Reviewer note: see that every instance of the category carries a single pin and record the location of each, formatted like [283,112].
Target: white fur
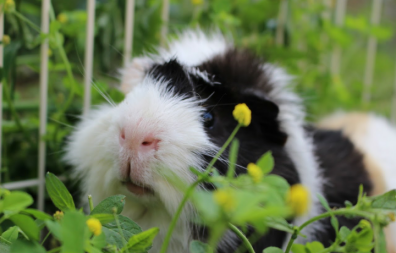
[299,146]
[380,143]
[192,48]
[94,152]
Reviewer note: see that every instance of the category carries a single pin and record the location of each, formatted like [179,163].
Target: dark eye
[208,119]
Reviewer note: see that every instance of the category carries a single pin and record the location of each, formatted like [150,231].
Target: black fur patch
[179,81]
[343,170]
[234,78]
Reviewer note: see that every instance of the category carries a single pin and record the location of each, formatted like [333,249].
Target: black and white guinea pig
[178,112]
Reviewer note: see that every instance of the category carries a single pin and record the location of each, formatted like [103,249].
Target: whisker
[102,93]
[61,123]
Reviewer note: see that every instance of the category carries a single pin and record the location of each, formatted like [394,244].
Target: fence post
[89,49]
[339,21]
[1,85]
[43,102]
[371,52]
[129,18]
[281,23]
[394,102]
[165,21]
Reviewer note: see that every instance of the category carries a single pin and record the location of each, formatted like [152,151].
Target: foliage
[310,36]
[237,202]
[103,230]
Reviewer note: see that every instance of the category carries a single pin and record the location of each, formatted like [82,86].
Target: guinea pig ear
[134,73]
[265,114]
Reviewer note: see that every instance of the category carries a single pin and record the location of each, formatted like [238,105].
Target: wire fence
[339,15]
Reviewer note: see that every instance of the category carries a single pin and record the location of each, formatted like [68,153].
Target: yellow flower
[242,114]
[94,226]
[9,5]
[49,52]
[6,39]
[224,199]
[255,172]
[62,18]
[391,216]
[197,2]
[58,215]
[299,199]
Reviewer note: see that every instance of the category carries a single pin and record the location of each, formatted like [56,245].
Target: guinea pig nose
[149,143]
[122,136]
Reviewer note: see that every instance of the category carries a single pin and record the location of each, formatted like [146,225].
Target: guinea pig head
[160,132]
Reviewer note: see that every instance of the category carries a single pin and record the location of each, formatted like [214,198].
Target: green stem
[54,250]
[27,21]
[223,148]
[175,218]
[342,211]
[15,114]
[242,236]
[45,238]
[91,206]
[65,60]
[191,188]
[292,238]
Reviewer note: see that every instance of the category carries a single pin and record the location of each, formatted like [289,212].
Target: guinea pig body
[177,113]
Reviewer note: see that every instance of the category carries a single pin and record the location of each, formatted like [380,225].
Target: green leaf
[381,241]
[344,233]
[273,250]
[266,162]
[37,214]
[199,247]
[314,246]
[140,242]
[99,241]
[232,158]
[324,203]
[16,201]
[104,218]
[128,227]
[54,227]
[385,201]
[114,238]
[4,245]
[27,247]
[11,234]
[73,232]
[107,205]
[298,248]
[27,225]
[279,224]
[58,193]
[334,223]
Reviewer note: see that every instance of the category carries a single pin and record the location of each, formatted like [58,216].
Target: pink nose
[148,143]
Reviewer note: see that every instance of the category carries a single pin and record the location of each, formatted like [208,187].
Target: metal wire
[88,59]
[371,52]
[43,103]
[129,18]
[1,85]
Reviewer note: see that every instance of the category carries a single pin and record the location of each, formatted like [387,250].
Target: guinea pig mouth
[138,189]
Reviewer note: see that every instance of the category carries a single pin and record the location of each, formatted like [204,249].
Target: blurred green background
[309,40]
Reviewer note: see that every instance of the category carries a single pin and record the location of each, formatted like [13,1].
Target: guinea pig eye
[208,119]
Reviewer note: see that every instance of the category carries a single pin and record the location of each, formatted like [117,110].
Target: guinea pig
[177,113]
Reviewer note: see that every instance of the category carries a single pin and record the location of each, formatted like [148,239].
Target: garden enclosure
[317,41]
